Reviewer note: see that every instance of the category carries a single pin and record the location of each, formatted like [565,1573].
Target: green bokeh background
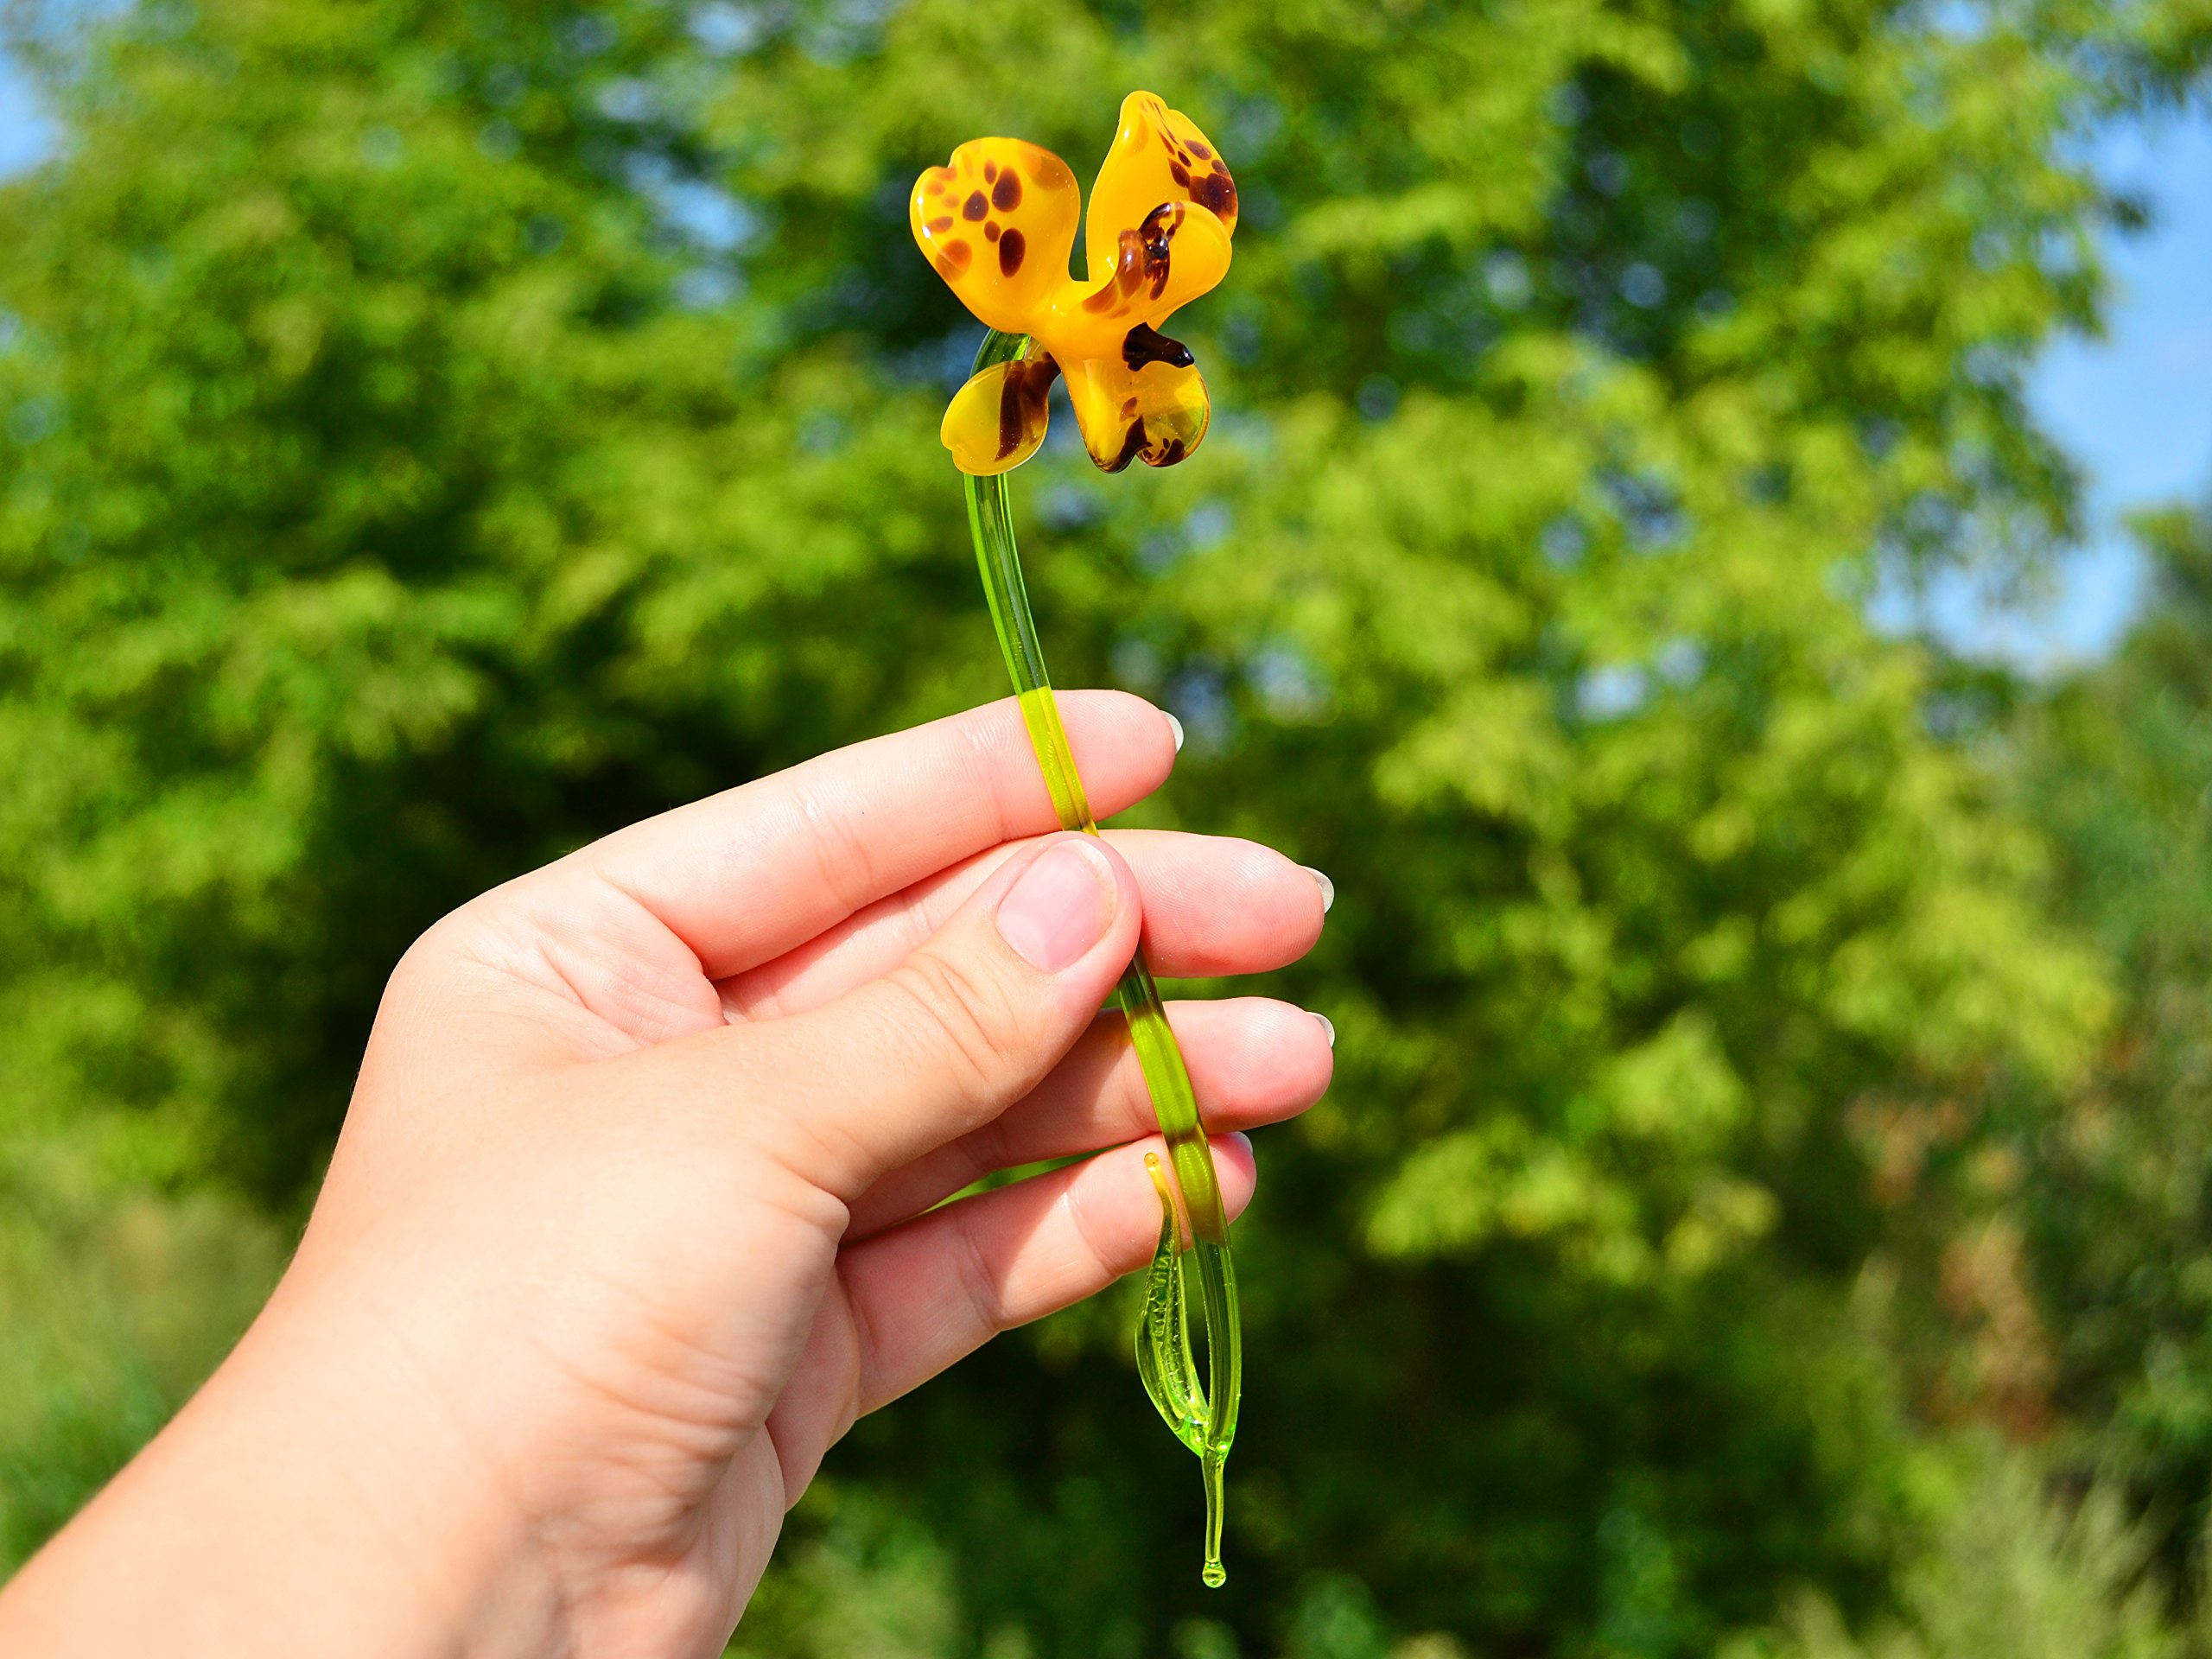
[1763,1207]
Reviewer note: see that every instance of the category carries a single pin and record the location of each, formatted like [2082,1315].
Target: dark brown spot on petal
[1008,195]
[1155,236]
[990,171]
[1179,173]
[975,207]
[1128,407]
[991,232]
[1200,152]
[940,225]
[1168,456]
[1012,246]
[1128,264]
[1217,194]
[958,255]
[1021,400]
[1132,442]
[1101,300]
[1144,345]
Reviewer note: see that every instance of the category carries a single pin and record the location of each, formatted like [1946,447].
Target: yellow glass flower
[998,223]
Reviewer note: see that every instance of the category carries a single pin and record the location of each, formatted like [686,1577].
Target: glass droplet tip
[1215,1575]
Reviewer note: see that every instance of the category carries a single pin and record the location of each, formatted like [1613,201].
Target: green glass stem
[1203,1418]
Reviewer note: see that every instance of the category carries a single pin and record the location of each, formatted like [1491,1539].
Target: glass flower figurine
[998,221]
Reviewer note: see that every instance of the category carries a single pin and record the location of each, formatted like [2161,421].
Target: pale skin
[635,1208]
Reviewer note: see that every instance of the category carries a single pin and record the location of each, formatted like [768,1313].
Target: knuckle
[972,1014]
[428,964]
[844,856]
[979,1280]
[1109,1254]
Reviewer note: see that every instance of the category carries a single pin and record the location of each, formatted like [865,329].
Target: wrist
[349,1392]
[304,1501]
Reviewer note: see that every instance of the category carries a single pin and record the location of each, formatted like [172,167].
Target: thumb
[968,1024]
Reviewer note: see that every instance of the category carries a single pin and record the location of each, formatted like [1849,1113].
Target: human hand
[633,1212]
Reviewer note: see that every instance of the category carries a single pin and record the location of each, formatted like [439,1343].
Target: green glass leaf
[1164,1360]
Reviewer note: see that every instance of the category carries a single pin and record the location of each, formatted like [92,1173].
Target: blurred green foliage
[2114,1186]
[2008,1571]
[435,434]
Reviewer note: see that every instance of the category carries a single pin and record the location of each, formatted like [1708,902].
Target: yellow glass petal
[996,421]
[1156,413]
[1158,155]
[998,222]
[1175,254]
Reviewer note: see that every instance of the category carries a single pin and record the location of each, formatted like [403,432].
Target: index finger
[743,876]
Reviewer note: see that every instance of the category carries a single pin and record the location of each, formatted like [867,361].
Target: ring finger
[1253,1061]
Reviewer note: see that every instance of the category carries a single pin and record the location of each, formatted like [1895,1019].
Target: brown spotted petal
[998,222]
[1166,259]
[996,421]
[1158,155]
[1156,412]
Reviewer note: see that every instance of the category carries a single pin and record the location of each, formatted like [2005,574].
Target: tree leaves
[399,485]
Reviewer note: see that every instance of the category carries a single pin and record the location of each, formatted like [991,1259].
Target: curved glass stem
[1203,1418]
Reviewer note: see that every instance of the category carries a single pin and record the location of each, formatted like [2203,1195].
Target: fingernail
[1328,887]
[1061,906]
[1328,1029]
[1176,727]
